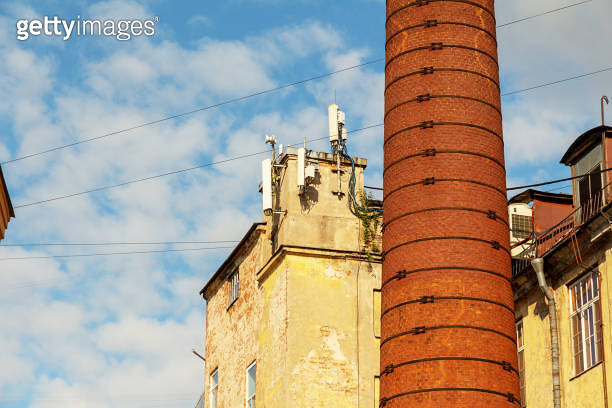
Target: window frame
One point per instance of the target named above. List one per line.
(214, 388)
(588, 312)
(234, 287)
(517, 222)
(247, 396)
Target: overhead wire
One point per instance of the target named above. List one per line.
(170, 173)
(252, 95)
(191, 112)
(19, 258)
(38, 244)
(543, 14)
(267, 151)
(544, 183)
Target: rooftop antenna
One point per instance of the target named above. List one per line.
(271, 139)
(603, 119)
(337, 138)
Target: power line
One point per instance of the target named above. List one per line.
(545, 183)
(558, 188)
(113, 243)
(234, 100)
(266, 151)
(113, 253)
(543, 14)
(557, 82)
(205, 108)
(170, 173)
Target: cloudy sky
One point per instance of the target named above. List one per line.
(115, 331)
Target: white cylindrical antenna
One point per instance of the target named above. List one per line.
(333, 123)
(266, 186)
(301, 168)
(341, 118)
(344, 134)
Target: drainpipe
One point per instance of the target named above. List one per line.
(538, 266)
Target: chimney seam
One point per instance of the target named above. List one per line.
(437, 23)
(415, 331)
(433, 123)
(433, 299)
(434, 152)
(506, 366)
(426, 2)
(436, 180)
(509, 396)
(438, 46)
(402, 274)
(431, 70)
(428, 97)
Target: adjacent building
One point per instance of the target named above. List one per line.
(572, 235)
(293, 314)
(6, 207)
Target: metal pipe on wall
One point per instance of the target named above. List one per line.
(538, 266)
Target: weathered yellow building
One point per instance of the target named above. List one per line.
(293, 314)
(577, 267)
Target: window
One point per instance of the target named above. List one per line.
(585, 320)
(521, 226)
(214, 384)
(233, 287)
(589, 187)
(520, 343)
(251, 375)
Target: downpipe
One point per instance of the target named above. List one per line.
(538, 266)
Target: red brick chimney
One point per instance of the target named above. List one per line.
(448, 333)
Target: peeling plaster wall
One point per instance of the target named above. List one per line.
(585, 390)
(231, 334)
(298, 309)
(326, 351)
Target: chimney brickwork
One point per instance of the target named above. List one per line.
(447, 330)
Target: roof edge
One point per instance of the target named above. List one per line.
(234, 252)
(582, 141)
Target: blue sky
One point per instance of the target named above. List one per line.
(117, 331)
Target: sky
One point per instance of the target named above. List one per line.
(115, 331)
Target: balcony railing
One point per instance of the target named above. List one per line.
(546, 240)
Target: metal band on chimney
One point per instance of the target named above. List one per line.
(446, 236)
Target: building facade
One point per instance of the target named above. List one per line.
(293, 314)
(6, 207)
(572, 235)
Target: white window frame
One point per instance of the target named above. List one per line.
(234, 287)
(214, 387)
(520, 345)
(584, 303)
(248, 397)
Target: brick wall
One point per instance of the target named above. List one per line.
(447, 331)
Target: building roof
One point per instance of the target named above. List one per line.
(582, 143)
(230, 258)
(529, 195)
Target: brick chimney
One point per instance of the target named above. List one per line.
(448, 333)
